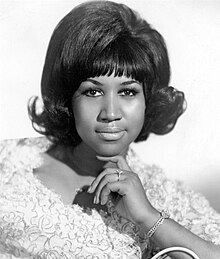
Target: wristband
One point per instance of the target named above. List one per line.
(163, 215)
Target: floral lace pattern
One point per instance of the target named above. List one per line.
(34, 223)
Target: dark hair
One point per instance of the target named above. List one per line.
(100, 38)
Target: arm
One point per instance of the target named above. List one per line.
(189, 211)
(170, 233)
(139, 205)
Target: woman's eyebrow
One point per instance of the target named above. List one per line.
(130, 82)
(93, 81)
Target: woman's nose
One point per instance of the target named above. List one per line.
(110, 109)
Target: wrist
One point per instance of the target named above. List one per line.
(153, 220)
(151, 215)
(164, 214)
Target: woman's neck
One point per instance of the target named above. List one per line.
(82, 159)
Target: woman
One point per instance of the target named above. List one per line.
(83, 193)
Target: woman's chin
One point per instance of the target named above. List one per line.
(111, 150)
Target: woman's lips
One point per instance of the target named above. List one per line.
(110, 133)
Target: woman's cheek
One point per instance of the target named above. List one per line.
(85, 115)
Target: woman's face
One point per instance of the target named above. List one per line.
(109, 113)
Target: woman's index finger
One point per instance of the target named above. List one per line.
(119, 160)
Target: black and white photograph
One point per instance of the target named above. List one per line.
(109, 129)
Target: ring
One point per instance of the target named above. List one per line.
(119, 172)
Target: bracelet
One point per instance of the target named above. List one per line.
(163, 215)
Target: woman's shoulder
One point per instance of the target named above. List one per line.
(8, 146)
(18, 155)
(147, 172)
(162, 190)
(186, 206)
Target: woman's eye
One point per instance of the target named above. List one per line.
(92, 93)
(128, 92)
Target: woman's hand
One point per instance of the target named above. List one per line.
(132, 202)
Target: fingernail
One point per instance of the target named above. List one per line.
(89, 189)
(95, 200)
(101, 158)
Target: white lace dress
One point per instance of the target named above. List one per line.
(34, 222)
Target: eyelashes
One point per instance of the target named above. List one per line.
(127, 92)
(92, 92)
(130, 91)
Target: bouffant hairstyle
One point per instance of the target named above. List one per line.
(101, 38)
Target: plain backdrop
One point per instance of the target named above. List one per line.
(191, 28)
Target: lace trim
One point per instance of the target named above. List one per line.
(34, 221)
